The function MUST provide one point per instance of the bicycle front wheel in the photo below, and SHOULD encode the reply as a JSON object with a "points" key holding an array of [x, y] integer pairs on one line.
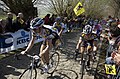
{"points": [[82, 69], [29, 74], [54, 61]]}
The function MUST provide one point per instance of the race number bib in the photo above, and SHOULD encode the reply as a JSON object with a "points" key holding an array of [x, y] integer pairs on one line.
{"points": [[110, 69]]}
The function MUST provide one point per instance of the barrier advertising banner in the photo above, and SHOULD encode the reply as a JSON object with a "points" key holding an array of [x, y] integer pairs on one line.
{"points": [[13, 41]]}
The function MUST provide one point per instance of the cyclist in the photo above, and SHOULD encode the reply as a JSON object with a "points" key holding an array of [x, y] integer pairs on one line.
{"points": [[86, 40], [97, 29], [58, 26], [50, 38]]}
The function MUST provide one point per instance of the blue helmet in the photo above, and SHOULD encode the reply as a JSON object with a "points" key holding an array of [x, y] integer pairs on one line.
{"points": [[36, 23], [58, 19]]}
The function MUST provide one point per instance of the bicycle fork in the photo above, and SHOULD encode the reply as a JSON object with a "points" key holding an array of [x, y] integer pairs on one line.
{"points": [[82, 65]]}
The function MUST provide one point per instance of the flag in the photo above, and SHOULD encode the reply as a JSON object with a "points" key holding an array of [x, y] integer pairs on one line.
{"points": [[79, 9]]}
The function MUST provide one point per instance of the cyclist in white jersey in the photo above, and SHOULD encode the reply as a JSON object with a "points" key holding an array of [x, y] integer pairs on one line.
{"points": [[50, 38]]}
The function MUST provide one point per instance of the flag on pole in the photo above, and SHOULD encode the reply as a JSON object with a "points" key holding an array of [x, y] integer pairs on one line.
{"points": [[79, 9]]}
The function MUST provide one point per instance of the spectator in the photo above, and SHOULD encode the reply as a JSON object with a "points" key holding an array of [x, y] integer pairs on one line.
{"points": [[65, 21], [2, 26], [115, 29], [23, 25], [77, 21], [16, 24], [52, 19], [47, 19], [109, 21], [115, 56], [9, 22], [28, 21], [70, 23], [19, 23], [21, 16], [119, 26]]}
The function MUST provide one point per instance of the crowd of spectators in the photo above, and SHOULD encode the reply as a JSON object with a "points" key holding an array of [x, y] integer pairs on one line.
{"points": [[12, 25]]}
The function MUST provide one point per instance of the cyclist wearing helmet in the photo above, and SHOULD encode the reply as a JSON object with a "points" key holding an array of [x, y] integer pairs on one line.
{"points": [[86, 40], [58, 26], [50, 38]]}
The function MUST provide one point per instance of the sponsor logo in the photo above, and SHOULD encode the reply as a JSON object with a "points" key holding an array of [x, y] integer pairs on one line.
{"points": [[6, 41], [23, 39]]}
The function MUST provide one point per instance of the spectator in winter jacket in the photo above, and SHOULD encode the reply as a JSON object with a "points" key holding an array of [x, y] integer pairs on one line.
{"points": [[9, 22], [2, 26], [47, 19]]}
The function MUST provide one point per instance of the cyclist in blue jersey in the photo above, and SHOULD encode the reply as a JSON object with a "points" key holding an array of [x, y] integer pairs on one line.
{"points": [[58, 26]]}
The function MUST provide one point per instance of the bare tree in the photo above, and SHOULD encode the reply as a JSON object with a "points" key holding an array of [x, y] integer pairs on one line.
{"points": [[24, 6], [115, 4], [92, 7], [95, 8], [60, 7]]}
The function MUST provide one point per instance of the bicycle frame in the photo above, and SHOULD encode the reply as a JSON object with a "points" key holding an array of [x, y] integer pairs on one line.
{"points": [[32, 65], [83, 61]]}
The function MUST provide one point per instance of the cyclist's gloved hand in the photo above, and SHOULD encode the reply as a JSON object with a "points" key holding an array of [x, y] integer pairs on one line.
{"points": [[23, 52]]}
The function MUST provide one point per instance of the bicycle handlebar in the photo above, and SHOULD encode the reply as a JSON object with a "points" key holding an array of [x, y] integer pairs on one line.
{"points": [[28, 55]]}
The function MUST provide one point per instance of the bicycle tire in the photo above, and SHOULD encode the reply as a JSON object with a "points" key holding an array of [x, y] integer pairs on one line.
{"points": [[27, 74], [54, 61], [100, 76], [82, 68]]}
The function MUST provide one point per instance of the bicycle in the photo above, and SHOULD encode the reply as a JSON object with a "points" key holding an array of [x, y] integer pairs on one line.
{"points": [[84, 62], [31, 71]]}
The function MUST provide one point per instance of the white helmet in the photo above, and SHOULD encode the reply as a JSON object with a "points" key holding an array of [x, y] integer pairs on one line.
{"points": [[36, 23], [87, 29]]}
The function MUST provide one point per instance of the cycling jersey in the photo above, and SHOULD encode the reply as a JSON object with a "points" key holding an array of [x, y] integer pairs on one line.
{"points": [[87, 40], [58, 26], [84, 37], [48, 34], [97, 28]]}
